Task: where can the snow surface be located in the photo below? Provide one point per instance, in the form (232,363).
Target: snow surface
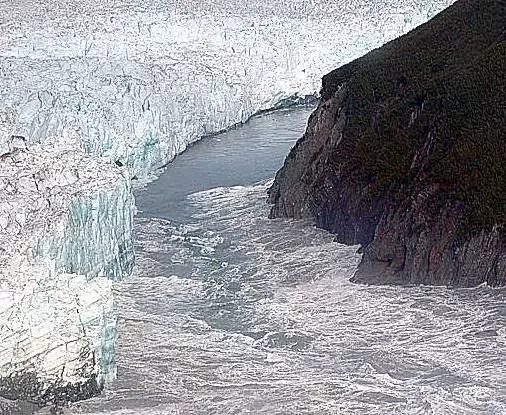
(133,82)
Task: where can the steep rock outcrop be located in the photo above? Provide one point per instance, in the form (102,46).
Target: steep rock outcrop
(311,186)
(405,154)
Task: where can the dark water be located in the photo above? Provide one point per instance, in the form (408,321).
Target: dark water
(241,156)
(229,312)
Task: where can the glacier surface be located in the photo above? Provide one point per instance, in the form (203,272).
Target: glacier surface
(85,85)
(136,82)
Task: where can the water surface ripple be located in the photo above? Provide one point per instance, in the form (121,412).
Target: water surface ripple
(229,312)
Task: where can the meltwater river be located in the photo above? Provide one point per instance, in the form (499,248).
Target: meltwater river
(229,312)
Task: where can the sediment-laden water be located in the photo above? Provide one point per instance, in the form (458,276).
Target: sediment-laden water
(229,312)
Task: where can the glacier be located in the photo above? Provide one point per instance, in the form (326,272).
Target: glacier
(136,82)
(94,94)
(65,235)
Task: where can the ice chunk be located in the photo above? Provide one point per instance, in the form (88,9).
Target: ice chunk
(65,221)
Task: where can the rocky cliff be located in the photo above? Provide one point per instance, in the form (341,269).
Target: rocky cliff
(406,152)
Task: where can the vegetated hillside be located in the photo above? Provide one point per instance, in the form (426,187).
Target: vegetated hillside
(406,153)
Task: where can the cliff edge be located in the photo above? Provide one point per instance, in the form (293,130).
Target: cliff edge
(406,154)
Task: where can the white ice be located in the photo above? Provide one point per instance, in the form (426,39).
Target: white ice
(138,81)
(65,221)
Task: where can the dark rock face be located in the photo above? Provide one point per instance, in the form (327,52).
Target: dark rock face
(22,394)
(406,152)
(412,247)
(309,186)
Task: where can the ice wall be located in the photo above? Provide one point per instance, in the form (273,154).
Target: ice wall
(137,81)
(65,221)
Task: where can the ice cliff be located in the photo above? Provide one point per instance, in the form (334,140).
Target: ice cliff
(65,222)
(88,86)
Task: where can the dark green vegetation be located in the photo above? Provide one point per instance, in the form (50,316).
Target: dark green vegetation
(430,108)
(406,154)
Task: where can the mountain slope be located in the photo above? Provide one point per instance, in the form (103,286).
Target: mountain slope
(405,153)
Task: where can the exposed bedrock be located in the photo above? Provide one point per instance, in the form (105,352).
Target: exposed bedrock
(405,154)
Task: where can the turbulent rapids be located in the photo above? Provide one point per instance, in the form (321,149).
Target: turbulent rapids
(230,312)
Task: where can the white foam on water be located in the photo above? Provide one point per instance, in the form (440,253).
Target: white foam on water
(265,321)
